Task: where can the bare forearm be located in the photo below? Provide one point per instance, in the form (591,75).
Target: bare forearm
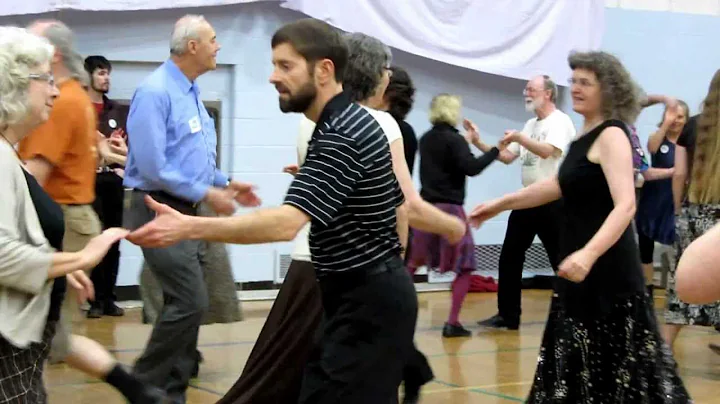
(536,194)
(64,263)
(261,226)
(654,174)
(425,217)
(504,156)
(115,158)
(698,271)
(656,139)
(541,149)
(678,189)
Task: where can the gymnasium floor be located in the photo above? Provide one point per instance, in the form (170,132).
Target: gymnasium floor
(490,367)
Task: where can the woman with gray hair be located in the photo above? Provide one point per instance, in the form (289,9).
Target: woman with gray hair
(601,342)
(32,271)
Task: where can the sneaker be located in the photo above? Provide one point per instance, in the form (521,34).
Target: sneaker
(498,321)
(455,330)
(111,309)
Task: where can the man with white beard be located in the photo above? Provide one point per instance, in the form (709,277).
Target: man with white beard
(541,146)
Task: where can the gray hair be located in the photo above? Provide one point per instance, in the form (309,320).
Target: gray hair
(367,58)
(20,53)
(549,84)
(187,28)
(620,94)
(62,38)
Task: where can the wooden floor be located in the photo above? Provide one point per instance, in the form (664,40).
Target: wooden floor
(489,367)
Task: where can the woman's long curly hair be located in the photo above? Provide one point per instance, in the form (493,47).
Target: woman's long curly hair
(620,94)
(705,178)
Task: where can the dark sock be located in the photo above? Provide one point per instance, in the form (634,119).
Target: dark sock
(127,384)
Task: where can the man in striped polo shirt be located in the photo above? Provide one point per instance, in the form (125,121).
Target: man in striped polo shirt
(347,190)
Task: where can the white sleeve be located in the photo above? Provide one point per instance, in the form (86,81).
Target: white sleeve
(561,132)
(389,126)
(306,129)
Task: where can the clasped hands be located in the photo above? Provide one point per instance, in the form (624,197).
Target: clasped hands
(472,135)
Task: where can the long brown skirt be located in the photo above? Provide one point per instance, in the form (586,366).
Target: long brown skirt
(274,371)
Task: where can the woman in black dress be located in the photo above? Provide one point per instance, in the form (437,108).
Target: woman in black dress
(602,342)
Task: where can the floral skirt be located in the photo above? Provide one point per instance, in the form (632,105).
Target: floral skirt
(619,358)
(692,223)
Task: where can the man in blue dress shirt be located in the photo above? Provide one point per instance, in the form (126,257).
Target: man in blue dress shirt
(172,157)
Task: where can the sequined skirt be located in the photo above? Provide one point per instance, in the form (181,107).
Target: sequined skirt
(619,358)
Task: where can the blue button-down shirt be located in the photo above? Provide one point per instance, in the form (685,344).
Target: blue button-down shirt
(171,137)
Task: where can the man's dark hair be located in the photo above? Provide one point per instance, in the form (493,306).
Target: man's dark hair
(95,62)
(400,93)
(315,40)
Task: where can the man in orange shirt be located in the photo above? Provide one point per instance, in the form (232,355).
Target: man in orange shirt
(62,155)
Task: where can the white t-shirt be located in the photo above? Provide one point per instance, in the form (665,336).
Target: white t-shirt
(556,129)
(307,127)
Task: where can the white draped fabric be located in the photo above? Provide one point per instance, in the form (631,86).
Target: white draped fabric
(17,7)
(514,38)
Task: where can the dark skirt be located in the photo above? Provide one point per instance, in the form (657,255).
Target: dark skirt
(437,254)
(274,371)
(618,358)
(21,369)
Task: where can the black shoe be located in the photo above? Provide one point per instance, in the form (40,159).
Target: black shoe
(153,395)
(714,347)
(111,309)
(199,359)
(412,394)
(95,311)
(498,321)
(455,330)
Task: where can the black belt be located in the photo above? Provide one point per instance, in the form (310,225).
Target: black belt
(389,264)
(179,204)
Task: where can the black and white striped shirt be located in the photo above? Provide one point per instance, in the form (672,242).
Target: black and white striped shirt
(348,188)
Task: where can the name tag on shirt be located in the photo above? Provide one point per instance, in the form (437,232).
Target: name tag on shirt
(195,125)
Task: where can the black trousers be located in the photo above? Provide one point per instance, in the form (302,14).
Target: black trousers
(366,337)
(108,205)
(523,225)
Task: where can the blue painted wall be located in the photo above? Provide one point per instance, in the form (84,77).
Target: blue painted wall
(666,52)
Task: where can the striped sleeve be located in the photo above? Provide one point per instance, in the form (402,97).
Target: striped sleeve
(326,179)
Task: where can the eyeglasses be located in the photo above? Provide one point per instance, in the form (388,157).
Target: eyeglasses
(46,77)
(581,82)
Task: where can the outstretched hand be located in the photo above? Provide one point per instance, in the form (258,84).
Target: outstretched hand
(483,212)
(168,227)
(245,194)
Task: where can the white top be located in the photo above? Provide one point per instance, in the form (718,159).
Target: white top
(388,124)
(556,129)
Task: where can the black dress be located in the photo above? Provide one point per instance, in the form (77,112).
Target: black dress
(52,222)
(21,373)
(601,342)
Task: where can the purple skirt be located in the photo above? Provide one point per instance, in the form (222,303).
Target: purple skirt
(437,254)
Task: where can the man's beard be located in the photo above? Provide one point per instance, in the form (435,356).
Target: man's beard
(300,101)
(100,90)
(533,105)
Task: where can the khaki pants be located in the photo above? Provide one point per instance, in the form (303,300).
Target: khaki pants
(81,225)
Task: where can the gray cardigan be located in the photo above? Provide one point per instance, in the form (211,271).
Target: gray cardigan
(25,257)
